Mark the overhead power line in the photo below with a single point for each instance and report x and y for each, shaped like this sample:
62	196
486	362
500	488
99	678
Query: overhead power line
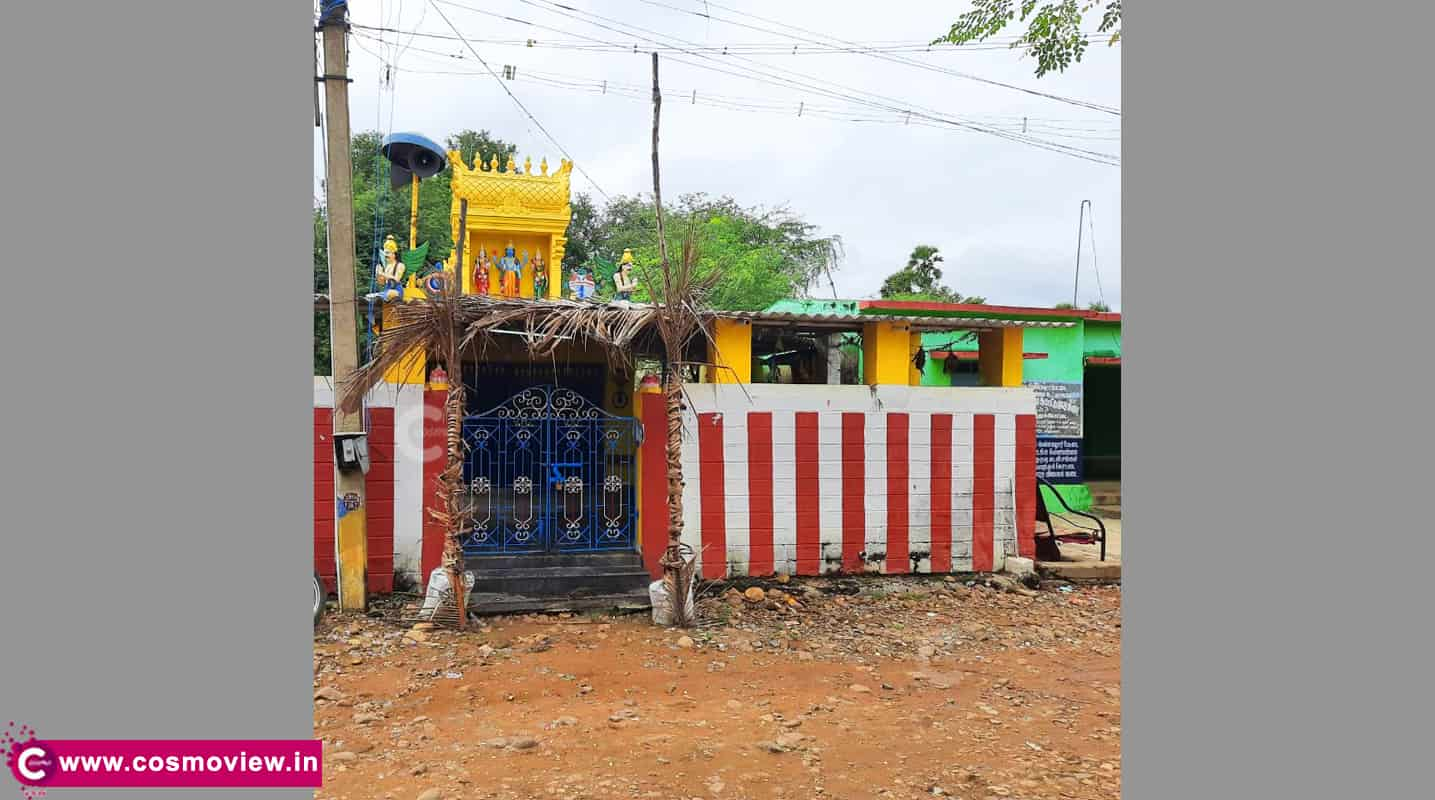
792	47
504	86
804	82
774	106
857	47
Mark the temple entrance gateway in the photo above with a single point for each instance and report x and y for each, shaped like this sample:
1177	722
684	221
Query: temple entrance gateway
548	471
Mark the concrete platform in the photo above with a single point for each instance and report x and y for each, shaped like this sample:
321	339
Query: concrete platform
1079	562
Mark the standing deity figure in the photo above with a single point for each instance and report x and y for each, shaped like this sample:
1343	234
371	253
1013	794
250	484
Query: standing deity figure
623	281
480	272
580	283
390	271
540	275
512	268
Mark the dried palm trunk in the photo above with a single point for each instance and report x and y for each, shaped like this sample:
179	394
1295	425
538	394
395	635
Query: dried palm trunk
676	323
451	482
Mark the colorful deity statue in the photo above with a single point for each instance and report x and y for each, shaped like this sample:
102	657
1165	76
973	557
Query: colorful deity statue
540	275
624	283
512	268
481	267
390	271
580	283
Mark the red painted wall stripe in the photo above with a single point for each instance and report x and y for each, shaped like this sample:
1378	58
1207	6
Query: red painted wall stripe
712	496
809	530
759	493
898	537
379	501
1026	485
654	520
854	479
434	454
941	493
983	491
324	499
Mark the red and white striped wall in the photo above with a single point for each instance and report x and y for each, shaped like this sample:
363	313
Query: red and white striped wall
779	478
810	480
393	487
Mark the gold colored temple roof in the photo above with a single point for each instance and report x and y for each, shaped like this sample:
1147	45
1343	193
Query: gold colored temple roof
515	200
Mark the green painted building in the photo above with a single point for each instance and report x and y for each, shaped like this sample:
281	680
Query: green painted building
1075	371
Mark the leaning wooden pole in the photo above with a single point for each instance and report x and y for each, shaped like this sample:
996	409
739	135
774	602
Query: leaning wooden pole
677	571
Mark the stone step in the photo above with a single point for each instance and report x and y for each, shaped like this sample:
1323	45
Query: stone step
1078	571
559	575
487	603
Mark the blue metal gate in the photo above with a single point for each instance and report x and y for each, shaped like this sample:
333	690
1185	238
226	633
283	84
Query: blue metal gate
548	471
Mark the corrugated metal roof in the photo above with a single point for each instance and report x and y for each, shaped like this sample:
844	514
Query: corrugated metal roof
916	322
853	321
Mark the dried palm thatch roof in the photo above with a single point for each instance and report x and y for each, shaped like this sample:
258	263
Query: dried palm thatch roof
443	324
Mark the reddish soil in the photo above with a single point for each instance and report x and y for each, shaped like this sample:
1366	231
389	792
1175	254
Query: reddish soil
911	688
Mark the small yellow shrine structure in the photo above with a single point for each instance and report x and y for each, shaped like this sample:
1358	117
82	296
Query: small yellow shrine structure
492	211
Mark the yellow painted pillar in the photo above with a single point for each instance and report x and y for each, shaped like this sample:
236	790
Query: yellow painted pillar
555	266
886	354
999	357
731	351
411	370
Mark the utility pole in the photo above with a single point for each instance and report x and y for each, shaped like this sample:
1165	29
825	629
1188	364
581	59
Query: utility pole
1076	281
351	534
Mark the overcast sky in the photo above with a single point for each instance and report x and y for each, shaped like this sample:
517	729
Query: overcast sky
1003	213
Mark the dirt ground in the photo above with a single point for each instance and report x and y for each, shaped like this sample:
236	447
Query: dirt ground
847	688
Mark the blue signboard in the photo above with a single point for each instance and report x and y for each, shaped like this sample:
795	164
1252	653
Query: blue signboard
1058	459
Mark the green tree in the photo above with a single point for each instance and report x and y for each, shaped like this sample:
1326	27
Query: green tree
1053	36
921	280
1098	306
760	256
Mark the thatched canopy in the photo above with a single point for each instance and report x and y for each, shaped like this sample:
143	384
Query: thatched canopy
469	323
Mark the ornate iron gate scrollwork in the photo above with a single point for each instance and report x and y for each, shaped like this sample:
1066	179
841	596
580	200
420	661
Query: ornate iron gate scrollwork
548	471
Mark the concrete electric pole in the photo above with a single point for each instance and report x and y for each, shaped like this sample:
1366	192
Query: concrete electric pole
351	534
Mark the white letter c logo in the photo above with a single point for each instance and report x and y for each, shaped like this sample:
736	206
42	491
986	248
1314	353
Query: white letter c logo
23	763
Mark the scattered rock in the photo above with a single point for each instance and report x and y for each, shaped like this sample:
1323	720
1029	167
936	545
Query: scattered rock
431	794
732	597
365	719
423	626
790	741
417	636
772	747
343	756
497	742
754	595
859	689
419	770
522	743
328	693
686	642
926	651
564	722
791	723
485	651
783	578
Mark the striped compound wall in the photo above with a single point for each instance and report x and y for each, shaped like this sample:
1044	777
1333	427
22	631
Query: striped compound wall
799	479
393	487
820	479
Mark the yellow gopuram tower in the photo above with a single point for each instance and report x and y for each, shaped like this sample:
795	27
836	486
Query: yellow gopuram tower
525	210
